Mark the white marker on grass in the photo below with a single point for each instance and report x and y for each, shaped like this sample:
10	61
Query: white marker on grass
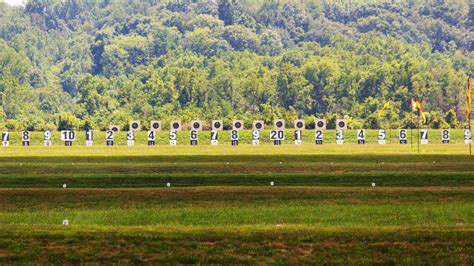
64	186
66	222
272	183
373	184
168	184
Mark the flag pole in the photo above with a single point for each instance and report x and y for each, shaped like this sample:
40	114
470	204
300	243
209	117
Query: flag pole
468	112
411	132
419	127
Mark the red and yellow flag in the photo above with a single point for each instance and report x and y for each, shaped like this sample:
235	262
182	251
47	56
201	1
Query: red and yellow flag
468	100
422	112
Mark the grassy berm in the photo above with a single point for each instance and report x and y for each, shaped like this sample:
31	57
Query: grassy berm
221	209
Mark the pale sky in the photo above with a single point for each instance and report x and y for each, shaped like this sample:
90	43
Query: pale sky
13	2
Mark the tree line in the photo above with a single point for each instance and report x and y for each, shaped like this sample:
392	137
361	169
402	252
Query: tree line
90	64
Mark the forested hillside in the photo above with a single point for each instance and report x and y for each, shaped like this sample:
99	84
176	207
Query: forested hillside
95	63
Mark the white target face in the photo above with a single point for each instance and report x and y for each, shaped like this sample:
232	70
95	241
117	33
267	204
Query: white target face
135	126
130	135
341	124
47	135
217	125
68	135
238	125
279	124
258	125
196	125
255	134
299	124
175	126
151	135
115	128
25	135
109	135
155	125
320	124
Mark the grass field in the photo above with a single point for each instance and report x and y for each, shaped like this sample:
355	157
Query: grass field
221	208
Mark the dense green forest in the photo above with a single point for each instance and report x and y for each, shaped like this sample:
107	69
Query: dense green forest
94	63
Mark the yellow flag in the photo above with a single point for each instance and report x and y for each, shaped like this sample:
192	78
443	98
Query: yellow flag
468	101
385	105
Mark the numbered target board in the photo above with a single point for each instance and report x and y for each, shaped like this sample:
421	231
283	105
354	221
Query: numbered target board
360	136
298	137
319	137
130	138
381	136
214	137
467	136
339	137
25	138
173	137
109	137
424	136
277	136
255	137
47	138
89	137
402	136
68	136
151	137
193	136
445	136
234	137
5	138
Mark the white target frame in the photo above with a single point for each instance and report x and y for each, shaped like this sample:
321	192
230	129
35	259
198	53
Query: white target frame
320	124
135	126
155	125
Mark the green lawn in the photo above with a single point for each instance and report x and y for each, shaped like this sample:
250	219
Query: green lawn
221	208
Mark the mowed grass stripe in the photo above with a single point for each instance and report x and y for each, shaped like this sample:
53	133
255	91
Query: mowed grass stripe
264	244
231	206
227	150
23	199
156	171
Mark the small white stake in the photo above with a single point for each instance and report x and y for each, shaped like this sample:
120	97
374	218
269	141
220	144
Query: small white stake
272	183
168	184
64	186
373	184
66	222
